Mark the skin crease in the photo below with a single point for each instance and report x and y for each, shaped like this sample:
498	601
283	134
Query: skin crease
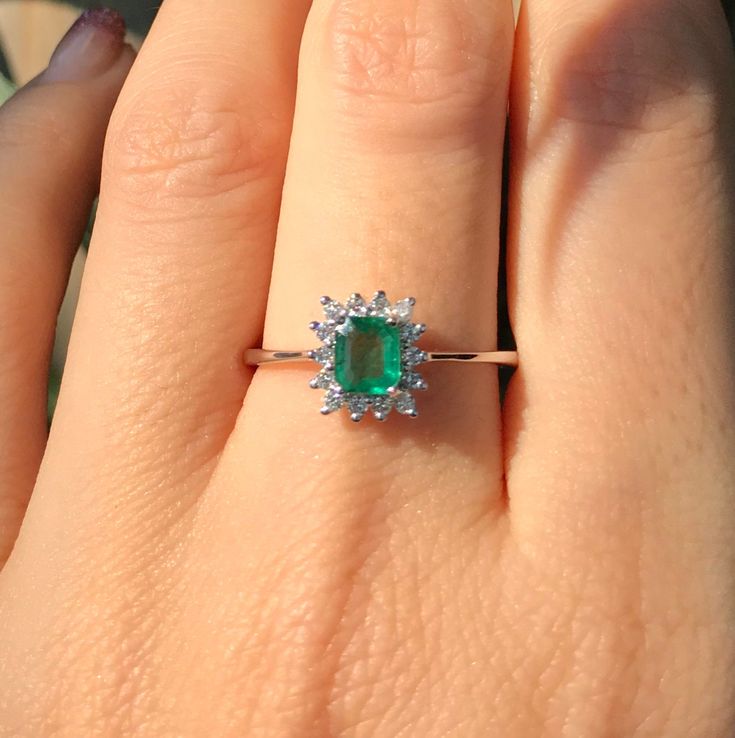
191	566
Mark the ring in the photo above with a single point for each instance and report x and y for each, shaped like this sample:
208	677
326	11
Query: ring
368	356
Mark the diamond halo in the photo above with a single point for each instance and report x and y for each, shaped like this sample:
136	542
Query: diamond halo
337	324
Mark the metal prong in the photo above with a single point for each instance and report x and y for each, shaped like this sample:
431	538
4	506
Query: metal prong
391	321
420	328
324	299
314	325
379	294
411	301
314	383
355	417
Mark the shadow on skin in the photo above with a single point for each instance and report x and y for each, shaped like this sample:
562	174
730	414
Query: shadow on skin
611	86
615	84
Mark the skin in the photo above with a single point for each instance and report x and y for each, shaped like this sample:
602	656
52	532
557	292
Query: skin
203	554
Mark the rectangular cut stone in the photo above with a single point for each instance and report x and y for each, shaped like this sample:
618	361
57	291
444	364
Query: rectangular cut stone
367	356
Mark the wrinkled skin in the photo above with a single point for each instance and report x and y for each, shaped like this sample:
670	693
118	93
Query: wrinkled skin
204	554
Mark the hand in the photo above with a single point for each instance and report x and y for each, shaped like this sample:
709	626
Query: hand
194	565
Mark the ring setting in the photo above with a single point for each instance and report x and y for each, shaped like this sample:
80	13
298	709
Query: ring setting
368	356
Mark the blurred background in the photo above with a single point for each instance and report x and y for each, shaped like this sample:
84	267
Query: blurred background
29	31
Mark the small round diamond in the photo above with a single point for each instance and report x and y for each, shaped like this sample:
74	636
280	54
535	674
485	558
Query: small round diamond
414	355
381	406
334	310
333	400
356	305
405	404
403	309
323	380
357	405
414	381
323	355
379	305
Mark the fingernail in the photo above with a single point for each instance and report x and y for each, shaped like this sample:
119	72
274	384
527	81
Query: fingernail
90	47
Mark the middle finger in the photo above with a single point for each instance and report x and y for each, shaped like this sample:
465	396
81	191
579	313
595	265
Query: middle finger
180	259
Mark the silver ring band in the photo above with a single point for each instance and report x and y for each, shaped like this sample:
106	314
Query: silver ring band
258	356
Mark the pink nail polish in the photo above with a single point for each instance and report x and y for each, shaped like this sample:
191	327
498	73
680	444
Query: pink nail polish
90	47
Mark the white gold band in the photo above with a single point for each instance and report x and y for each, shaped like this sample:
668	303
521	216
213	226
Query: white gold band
257	356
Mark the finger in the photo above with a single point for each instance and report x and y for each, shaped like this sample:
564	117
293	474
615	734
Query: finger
316	522
620	266
51	137
394	183
180	259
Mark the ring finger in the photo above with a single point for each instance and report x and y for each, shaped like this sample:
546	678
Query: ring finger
393	182
319	526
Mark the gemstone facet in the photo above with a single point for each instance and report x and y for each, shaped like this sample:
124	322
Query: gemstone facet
367	355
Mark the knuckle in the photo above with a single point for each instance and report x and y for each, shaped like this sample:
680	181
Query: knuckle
434	60
182	145
642	75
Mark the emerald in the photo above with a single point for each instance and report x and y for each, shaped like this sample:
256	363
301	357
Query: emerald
367	356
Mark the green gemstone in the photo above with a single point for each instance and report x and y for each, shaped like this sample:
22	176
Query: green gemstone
367	356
